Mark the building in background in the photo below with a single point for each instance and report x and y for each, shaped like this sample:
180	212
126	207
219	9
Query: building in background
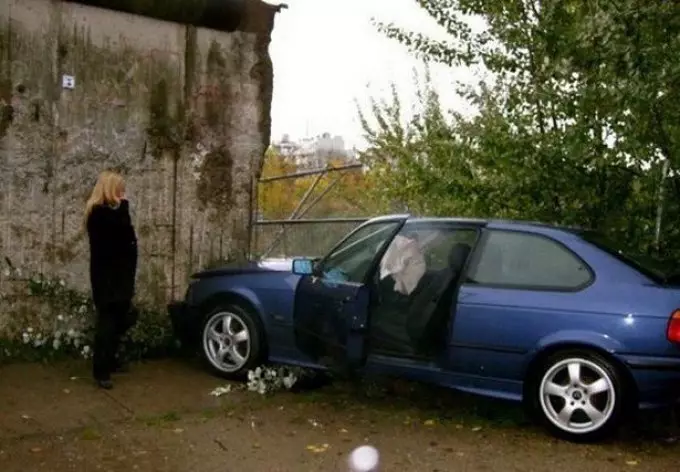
315	152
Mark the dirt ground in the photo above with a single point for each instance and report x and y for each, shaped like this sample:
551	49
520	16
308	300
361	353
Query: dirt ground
161	417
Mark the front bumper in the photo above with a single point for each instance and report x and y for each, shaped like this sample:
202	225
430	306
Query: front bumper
184	322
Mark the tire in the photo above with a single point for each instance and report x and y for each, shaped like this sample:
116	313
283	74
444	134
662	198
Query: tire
578	395
232	352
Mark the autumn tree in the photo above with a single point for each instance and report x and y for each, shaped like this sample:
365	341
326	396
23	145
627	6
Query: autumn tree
275	199
335	194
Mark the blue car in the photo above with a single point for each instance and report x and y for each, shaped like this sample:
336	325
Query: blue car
557	318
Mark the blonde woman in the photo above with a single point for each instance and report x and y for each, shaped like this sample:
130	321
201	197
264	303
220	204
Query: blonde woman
113	266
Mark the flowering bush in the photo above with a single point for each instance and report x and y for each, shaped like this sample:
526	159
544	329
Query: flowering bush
265	379
56	320
268	379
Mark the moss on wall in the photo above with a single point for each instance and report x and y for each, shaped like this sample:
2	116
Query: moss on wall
216	65
215	181
6	110
162	129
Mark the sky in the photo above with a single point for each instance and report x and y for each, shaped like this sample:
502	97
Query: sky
327	54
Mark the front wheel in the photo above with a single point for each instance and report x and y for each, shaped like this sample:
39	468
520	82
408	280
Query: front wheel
579	395
231	341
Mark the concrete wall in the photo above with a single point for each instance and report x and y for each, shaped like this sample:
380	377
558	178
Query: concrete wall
182	110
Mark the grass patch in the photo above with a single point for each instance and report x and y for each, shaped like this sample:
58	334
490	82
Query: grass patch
161	420
89	434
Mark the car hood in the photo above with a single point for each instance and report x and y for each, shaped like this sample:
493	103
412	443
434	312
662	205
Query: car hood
250	267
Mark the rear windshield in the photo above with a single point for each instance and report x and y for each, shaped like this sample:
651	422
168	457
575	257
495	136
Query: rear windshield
650	266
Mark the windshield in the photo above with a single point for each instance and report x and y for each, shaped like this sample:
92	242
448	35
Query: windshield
648	265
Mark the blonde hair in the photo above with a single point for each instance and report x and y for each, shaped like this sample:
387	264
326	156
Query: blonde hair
107	191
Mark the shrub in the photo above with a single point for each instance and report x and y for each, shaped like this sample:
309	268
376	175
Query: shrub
52	320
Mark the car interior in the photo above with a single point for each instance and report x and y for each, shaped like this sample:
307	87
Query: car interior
414	325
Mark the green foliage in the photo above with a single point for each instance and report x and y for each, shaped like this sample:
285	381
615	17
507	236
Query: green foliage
577	114
58	322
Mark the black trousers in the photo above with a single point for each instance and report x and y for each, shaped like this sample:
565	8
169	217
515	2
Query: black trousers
113	321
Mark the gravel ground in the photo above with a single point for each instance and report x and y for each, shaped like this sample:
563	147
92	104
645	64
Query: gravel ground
161	417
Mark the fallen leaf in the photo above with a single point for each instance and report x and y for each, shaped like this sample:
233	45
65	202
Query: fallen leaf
219	391
632	463
35	449
178	430
317	448
429	423
344	431
25	417
66	390
74	378
477	428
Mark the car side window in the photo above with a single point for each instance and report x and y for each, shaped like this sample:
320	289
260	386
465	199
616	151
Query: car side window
352	259
522	260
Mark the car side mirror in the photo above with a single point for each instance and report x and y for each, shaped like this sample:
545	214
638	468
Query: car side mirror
303	266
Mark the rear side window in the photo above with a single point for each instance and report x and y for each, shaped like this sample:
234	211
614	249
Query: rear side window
524	260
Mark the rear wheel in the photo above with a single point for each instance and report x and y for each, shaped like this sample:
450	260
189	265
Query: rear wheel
231	341
578	395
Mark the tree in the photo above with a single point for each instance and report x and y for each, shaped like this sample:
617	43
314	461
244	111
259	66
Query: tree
347	195
554	138
274	198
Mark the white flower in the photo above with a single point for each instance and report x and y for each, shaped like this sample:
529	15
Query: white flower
61	282
289	381
56	344
26	337
82	309
86	349
76	342
219	391
60	317
7	273
18	272
30	330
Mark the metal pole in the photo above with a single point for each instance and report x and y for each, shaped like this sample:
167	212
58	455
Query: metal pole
660	205
303	221
293	214
307	173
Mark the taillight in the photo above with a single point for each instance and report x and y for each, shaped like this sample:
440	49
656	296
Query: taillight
673	332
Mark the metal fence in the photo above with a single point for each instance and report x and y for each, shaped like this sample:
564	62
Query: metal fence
300	236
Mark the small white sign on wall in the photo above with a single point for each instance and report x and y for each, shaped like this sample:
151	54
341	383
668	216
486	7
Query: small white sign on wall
68	82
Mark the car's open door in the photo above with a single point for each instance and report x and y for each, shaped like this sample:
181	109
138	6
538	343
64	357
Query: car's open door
332	304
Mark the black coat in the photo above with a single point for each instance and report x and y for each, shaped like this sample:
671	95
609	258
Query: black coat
113	254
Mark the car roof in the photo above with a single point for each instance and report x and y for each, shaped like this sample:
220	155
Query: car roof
507	224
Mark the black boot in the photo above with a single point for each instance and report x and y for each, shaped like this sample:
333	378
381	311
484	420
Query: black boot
106	384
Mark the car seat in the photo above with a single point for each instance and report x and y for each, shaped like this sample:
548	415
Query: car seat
429	311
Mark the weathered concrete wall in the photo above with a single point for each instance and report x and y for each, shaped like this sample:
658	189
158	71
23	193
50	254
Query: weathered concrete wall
182	110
